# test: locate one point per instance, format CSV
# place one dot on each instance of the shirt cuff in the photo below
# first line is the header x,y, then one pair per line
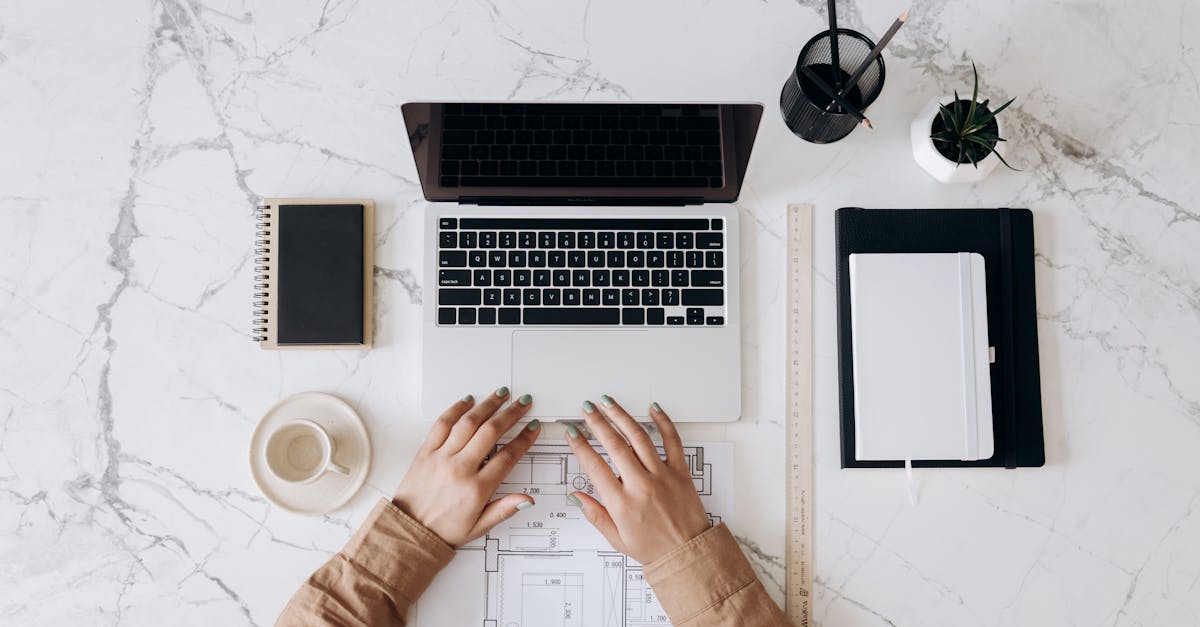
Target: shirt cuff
x,y
700,574
399,551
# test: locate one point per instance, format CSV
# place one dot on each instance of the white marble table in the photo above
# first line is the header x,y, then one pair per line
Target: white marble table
x,y
135,136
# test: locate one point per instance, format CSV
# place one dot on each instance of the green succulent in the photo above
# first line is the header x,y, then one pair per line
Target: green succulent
x,y
967,131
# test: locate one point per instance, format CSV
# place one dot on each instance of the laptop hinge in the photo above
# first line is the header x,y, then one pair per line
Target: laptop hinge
x,y
669,201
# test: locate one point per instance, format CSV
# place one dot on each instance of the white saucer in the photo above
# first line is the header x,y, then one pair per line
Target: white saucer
x,y
352,449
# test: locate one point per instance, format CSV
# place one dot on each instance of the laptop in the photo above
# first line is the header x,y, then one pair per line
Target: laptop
x,y
580,249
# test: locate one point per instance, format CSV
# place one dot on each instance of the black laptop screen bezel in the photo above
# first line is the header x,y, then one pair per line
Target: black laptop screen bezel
x,y
739,126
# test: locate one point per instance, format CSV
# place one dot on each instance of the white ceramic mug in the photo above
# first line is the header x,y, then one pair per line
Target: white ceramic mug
x,y
301,451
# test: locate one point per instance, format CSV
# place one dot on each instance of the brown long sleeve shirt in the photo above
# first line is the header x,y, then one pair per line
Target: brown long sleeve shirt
x,y
392,559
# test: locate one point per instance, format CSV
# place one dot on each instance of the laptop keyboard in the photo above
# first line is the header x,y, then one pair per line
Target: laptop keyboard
x,y
580,145
581,271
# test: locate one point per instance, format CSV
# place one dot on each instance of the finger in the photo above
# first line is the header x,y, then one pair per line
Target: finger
x,y
593,465
614,444
597,514
465,428
490,432
502,463
642,445
498,511
441,427
672,443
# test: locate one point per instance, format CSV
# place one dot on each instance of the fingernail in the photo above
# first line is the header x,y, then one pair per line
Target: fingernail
x,y
655,407
524,505
534,424
572,431
589,407
468,398
574,500
502,391
606,399
525,399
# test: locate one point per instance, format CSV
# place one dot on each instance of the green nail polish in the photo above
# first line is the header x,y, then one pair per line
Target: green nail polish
x,y
607,400
468,398
502,391
534,424
574,500
589,407
656,407
572,431
525,399
524,505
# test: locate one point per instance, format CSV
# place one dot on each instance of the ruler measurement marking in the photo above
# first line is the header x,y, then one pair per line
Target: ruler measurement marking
x,y
799,551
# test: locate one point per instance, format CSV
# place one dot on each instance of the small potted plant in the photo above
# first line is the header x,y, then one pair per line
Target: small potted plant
x,y
957,140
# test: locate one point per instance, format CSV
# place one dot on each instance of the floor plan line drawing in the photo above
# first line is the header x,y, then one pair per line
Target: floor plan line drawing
x,y
547,566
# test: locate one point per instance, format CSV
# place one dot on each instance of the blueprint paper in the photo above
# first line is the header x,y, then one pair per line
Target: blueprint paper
x,y
547,566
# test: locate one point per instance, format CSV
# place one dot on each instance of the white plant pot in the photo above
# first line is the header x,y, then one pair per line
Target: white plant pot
x,y
934,163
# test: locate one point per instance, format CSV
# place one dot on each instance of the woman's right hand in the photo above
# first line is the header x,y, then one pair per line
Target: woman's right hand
x,y
653,507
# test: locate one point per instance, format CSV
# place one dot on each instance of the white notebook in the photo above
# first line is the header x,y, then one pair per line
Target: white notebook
x,y
921,362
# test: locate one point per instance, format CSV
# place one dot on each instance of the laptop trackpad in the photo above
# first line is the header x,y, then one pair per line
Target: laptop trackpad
x,y
561,369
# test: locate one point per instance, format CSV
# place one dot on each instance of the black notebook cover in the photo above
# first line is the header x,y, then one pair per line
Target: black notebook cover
x,y
1005,239
320,259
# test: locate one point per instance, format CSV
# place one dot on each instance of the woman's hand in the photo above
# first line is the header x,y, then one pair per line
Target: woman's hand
x,y
653,507
448,487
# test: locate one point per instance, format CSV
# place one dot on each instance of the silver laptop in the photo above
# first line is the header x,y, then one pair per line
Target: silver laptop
x,y
580,249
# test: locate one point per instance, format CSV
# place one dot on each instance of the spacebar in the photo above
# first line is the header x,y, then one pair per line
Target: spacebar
x,y
572,315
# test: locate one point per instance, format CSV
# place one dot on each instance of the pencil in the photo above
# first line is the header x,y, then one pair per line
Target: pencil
x,y
833,46
875,52
829,91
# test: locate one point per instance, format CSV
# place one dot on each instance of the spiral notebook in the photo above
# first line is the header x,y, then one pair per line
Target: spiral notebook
x,y
313,267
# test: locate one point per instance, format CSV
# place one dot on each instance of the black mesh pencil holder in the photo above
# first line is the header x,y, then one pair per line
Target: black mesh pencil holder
x,y
810,112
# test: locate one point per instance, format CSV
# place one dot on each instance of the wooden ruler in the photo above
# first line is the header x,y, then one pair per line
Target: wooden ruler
x,y
799,552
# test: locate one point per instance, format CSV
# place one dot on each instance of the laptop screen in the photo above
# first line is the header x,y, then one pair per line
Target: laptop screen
x,y
581,152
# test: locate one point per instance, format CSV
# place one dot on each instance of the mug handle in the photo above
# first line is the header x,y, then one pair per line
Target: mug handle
x,y
338,468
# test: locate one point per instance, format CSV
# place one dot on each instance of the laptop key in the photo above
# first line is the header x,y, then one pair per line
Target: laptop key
x,y
541,278
497,259
466,315
566,239
576,258
575,315
482,278
545,240
641,278
683,240
531,296
714,259
629,297
587,239
510,316
446,315
591,297
675,320
561,277
570,297
694,259
487,315
521,278
491,297
660,278
625,239
512,296
708,278
452,259
502,278
655,315
448,239
459,296
477,259
710,240
508,239
581,278
516,259
679,278
616,259
467,239
595,259
487,239
448,223
709,320
527,239
670,298
703,297
620,278
601,278
675,259
611,297
557,259
454,277
645,240
650,297
635,259
695,315
633,315
606,239
655,259
537,259
552,296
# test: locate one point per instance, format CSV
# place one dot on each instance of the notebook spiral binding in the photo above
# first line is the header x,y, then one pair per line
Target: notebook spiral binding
x,y
262,268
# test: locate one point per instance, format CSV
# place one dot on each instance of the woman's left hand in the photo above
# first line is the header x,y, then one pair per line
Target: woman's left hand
x,y
449,487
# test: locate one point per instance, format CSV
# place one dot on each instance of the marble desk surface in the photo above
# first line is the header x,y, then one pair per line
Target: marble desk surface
x,y
135,136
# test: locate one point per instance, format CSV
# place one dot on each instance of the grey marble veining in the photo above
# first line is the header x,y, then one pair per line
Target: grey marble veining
x,y
137,135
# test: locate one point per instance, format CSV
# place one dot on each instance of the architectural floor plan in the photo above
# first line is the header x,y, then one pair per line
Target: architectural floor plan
x,y
548,567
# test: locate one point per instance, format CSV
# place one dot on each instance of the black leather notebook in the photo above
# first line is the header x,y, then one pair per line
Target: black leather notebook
x,y
314,269
1004,237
